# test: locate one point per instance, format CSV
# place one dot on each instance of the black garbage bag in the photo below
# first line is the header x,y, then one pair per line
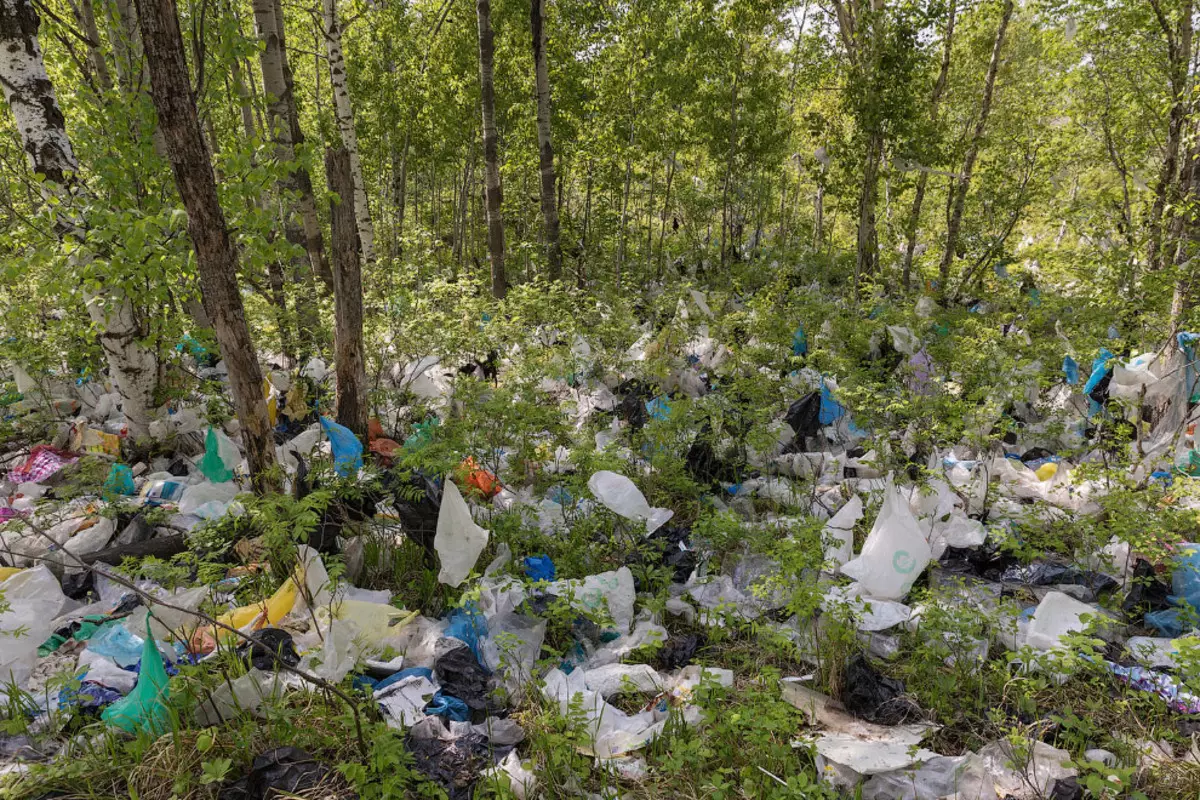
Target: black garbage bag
x,y
76,584
1035,454
1067,789
461,676
1049,573
678,553
455,764
803,416
268,643
874,697
634,395
703,464
418,500
1147,593
286,772
678,651
986,561
138,530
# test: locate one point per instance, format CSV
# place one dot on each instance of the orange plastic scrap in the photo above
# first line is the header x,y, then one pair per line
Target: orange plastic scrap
x,y
385,450
479,479
374,429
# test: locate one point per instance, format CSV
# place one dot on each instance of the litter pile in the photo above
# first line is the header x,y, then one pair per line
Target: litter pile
x,y
911,534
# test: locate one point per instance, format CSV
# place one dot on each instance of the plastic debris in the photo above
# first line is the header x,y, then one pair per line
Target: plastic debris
x,y
145,710
347,449
894,554
459,541
621,496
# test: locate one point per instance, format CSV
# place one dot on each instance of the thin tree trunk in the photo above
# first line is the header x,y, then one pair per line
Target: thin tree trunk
x,y
867,251
580,276
954,222
344,111
624,233
650,221
40,124
726,217
215,254
284,128
662,229
85,15
914,216
537,19
819,212
347,296
1179,58
491,156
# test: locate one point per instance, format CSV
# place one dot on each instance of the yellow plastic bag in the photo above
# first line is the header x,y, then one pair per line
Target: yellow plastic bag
x,y
8,572
1046,471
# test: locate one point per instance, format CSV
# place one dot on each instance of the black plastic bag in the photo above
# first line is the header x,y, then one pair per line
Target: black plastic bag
x,y
455,765
285,771
461,676
678,553
418,500
269,643
678,651
874,697
803,416
1049,573
1147,593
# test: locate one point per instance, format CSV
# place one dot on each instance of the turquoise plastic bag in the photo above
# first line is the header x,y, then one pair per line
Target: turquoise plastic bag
x,y
145,709
212,466
347,449
120,480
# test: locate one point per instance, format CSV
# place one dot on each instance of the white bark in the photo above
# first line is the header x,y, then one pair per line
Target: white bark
x,y
344,111
40,123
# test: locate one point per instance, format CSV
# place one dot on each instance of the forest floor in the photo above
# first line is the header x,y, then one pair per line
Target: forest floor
x,y
737,547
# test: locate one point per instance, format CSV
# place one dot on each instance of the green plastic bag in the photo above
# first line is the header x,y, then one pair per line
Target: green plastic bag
x,y
145,709
212,466
120,480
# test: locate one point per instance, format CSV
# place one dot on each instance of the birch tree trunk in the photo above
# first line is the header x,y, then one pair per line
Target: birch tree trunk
x,y
344,111
914,216
283,122
215,254
954,221
347,296
491,155
40,123
541,68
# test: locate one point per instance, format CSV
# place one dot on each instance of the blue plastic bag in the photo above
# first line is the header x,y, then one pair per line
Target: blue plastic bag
x,y
1070,370
347,449
1185,583
799,342
831,410
467,625
120,480
396,677
1100,368
658,408
539,568
448,706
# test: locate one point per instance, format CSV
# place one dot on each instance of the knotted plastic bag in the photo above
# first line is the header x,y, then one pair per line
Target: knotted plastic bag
x,y
145,709
220,457
347,449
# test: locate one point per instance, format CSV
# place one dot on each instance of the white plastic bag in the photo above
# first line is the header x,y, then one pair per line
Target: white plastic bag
x,y
458,540
34,599
1057,615
839,532
894,554
621,496
208,500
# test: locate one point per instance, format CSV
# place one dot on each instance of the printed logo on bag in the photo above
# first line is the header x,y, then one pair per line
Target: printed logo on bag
x,y
903,563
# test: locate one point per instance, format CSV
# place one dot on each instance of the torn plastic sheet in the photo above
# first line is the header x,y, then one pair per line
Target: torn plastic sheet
x,y
458,541
607,591
621,496
404,701
1026,776
839,532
